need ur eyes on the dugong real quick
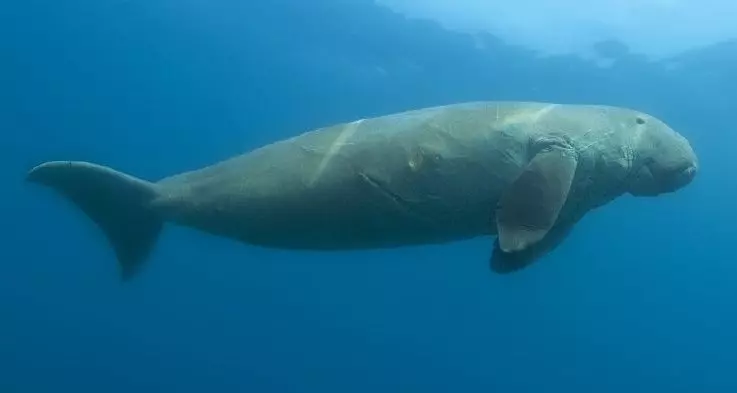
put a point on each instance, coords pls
(526, 172)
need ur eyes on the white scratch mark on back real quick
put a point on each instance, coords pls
(335, 147)
(526, 116)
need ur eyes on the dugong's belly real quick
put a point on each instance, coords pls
(374, 183)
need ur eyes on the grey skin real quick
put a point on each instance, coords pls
(524, 171)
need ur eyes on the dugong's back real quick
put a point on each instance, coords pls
(423, 176)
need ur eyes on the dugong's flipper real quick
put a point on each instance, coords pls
(116, 202)
(528, 210)
(503, 262)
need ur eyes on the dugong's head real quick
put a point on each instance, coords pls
(663, 159)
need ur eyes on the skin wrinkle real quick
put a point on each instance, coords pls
(396, 198)
(587, 190)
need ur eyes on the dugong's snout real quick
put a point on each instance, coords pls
(668, 165)
(653, 179)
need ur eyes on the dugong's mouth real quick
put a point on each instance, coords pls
(690, 172)
(649, 181)
(684, 177)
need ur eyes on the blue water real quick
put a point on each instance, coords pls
(640, 298)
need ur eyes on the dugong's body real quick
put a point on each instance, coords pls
(524, 171)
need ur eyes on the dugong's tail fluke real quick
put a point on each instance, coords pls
(116, 202)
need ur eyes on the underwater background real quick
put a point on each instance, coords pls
(642, 297)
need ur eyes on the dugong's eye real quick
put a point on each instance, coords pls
(639, 120)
